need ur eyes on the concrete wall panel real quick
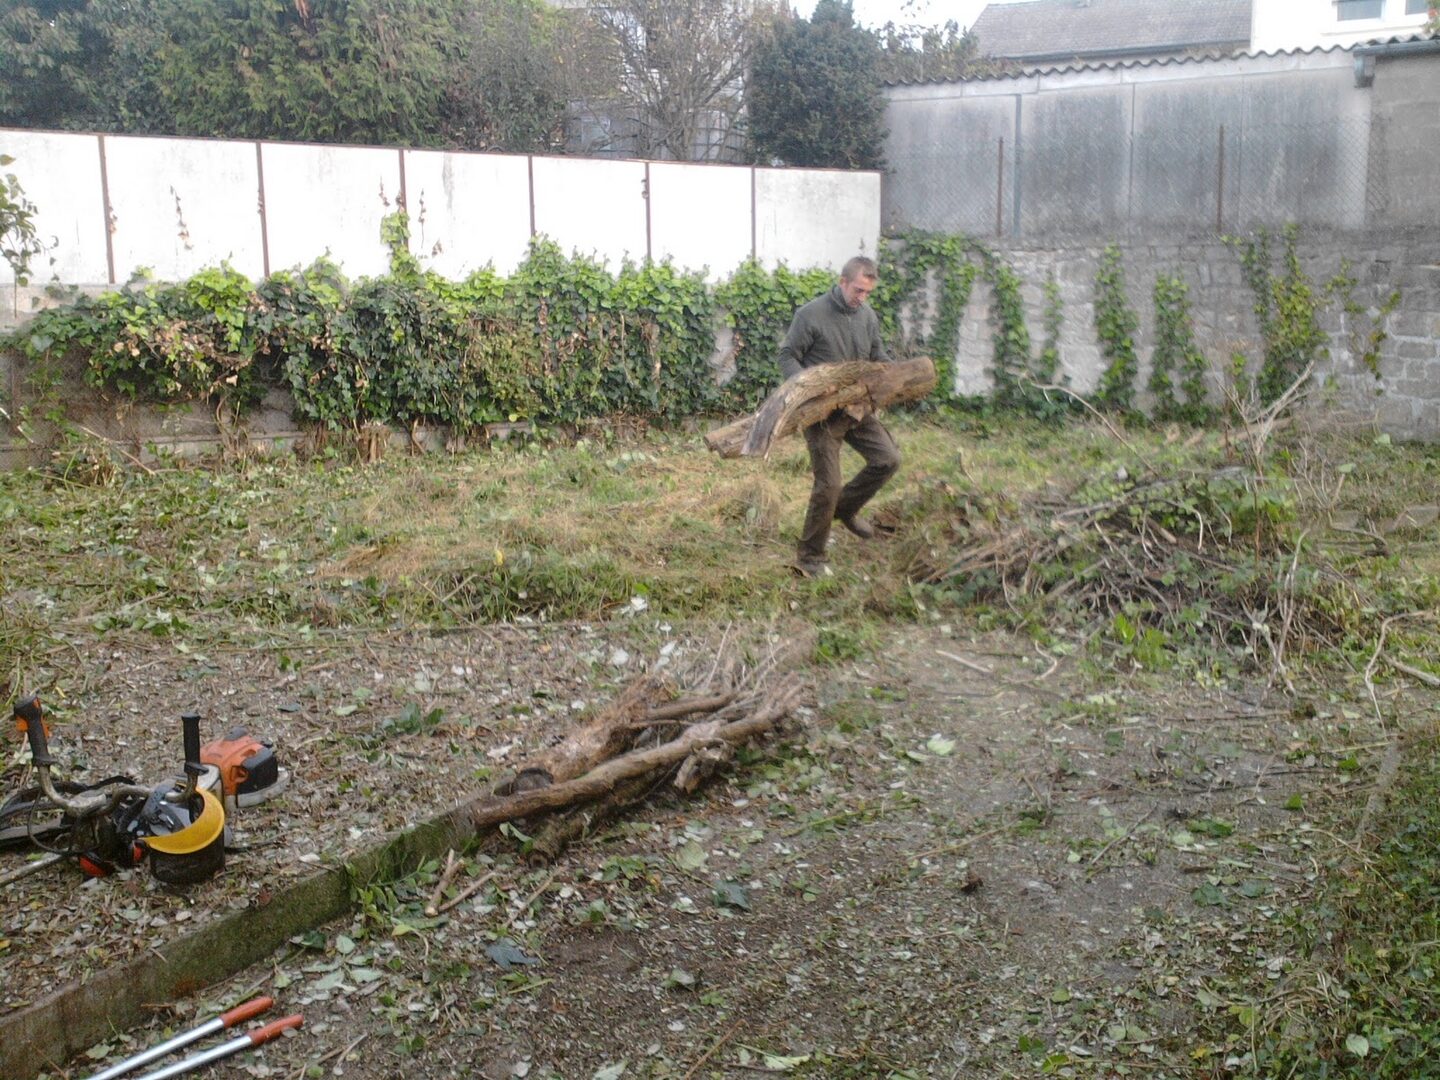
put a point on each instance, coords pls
(1405, 141)
(592, 207)
(467, 210)
(811, 218)
(1074, 159)
(1176, 157)
(329, 200)
(1305, 149)
(180, 205)
(958, 141)
(202, 209)
(60, 174)
(1109, 150)
(700, 216)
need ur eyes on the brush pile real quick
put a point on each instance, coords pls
(648, 740)
(1154, 560)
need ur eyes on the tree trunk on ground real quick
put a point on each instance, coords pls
(859, 386)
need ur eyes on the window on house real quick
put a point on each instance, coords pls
(1417, 7)
(1358, 9)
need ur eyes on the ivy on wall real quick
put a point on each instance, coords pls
(935, 273)
(1115, 325)
(1287, 306)
(560, 339)
(910, 266)
(758, 306)
(1177, 366)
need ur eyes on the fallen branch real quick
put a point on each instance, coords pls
(608, 776)
(713, 1048)
(1375, 659)
(1414, 672)
(28, 869)
(465, 893)
(686, 707)
(818, 391)
(452, 864)
(559, 832)
(525, 905)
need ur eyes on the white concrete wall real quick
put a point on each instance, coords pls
(179, 205)
(815, 217)
(61, 176)
(467, 210)
(204, 210)
(329, 200)
(592, 207)
(700, 216)
(1306, 24)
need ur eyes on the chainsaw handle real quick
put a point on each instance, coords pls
(190, 724)
(31, 720)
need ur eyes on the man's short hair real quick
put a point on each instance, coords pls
(859, 266)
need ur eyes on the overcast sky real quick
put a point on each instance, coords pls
(876, 13)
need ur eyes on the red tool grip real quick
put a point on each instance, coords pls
(247, 1011)
(274, 1028)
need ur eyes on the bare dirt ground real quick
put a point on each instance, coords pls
(969, 858)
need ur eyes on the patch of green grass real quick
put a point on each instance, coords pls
(585, 531)
(1365, 1000)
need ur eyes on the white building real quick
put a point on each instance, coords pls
(1306, 24)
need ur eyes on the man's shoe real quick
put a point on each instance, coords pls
(859, 526)
(811, 568)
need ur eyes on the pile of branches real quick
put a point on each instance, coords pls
(1213, 554)
(652, 738)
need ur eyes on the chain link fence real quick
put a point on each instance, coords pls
(1054, 181)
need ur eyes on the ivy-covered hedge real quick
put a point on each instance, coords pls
(758, 306)
(561, 339)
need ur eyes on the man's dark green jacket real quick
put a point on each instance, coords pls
(826, 330)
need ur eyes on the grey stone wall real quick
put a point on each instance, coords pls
(1404, 400)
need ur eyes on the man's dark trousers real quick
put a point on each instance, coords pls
(828, 500)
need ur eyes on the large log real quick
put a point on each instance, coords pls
(860, 386)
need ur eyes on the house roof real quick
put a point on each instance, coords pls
(1024, 71)
(1073, 29)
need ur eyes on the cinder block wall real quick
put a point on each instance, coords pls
(1404, 399)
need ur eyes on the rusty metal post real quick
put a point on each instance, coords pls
(649, 227)
(1220, 186)
(1000, 190)
(530, 172)
(108, 210)
(260, 205)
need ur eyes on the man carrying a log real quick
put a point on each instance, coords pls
(834, 327)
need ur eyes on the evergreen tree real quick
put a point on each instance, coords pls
(82, 65)
(353, 71)
(510, 87)
(814, 95)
